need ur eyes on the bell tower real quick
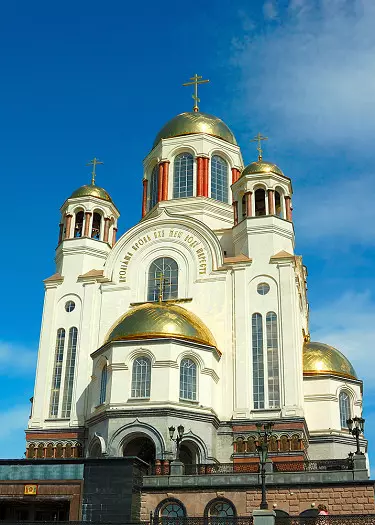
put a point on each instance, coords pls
(88, 228)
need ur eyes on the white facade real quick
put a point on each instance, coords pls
(220, 263)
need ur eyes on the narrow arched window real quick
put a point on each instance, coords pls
(59, 450)
(258, 361)
(68, 450)
(278, 205)
(188, 380)
(31, 451)
(96, 226)
(69, 372)
(243, 207)
(103, 385)
(163, 280)
(273, 361)
(251, 444)
(49, 451)
(154, 186)
(260, 202)
(40, 451)
(344, 402)
(141, 377)
(183, 176)
(57, 370)
(78, 226)
(219, 179)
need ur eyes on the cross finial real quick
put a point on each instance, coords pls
(258, 138)
(162, 283)
(195, 80)
(94, 162)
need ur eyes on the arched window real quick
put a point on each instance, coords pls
(154, 186)
(188, 380)
(278, 205)
(69, 372)
(240, 445)
(251, 444)
(243, 207)
(49, 450)
(220, 511)
(40, 451)
(219, 179)
(68, 450)
(258, 361)
(141, 377)
(103, 385)
(260, 202)
(344, 403)
(272, 361)
(183, 176)
(78, 227)
(96, 226)
(59, 450)
(284, 444)
(272, 447)
(163, 279)
(57, 369)
(295, 443)
(169, 511)
(31, 451)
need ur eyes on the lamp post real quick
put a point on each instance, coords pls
(177, 439)
(264, 433)
(356, 427)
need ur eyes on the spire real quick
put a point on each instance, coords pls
(93, 163)
(258, 138)
(195, 80)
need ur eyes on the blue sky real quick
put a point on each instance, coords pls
(94, 78)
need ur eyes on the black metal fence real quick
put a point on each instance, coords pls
(313, 465)
(349, 519)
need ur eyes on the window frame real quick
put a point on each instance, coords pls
(57, 374)
(185, 174)
(349, 407)
(103, 384)
(184, 383)
(69, 372)
(146, 380)
(172, 276)
(222, 162)
(154, 187)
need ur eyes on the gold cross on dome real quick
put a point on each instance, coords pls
(195, 80)
(258, 138)
(162, 283)
(94, 162)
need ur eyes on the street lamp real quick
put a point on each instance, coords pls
(178, 438)
(264, 433)
(356, 427)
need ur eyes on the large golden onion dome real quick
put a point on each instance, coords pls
(261, 166)
(320, 359)
(90, 190)
(192, 122)
(160, 320)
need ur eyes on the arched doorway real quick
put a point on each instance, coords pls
(188, 453)
(142, 447)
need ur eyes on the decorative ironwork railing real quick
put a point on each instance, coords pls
(313, 465)
(347, 519)
(222, 468)
(220, 520)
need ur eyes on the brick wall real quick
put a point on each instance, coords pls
(348, 499)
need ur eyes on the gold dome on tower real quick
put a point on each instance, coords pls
(322, 359)
(261, 166)
(90, 190)
(192, 122)
(160, 320)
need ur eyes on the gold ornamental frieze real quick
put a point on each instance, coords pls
(175, 234)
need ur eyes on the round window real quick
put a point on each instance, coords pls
(69, 306)
(263, 288)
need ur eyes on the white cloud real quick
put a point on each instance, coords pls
(348, 324)
(16, 359)
(338, 213)
(270, 10)
(312, 74)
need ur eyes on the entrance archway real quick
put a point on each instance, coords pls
(188, 453)
(142, 447)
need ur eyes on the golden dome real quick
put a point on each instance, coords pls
(160, 320)
(320, 359)
(261, 166)
(92, 191)
(195, 122)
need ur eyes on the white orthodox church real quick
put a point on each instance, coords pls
(196, 316)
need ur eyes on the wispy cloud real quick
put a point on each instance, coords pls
(312, 73)
(347, 323)
(16, 359)
(270, 10)
(336, 212)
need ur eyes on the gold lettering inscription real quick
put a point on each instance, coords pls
(172, 233)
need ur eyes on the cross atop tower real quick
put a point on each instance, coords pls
(94, 162)
(195, 80)
(258, 138)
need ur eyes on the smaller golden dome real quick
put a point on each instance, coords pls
(90, 190)
(261, 166)
(192, 122)
(160, 320)
(320, 359)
